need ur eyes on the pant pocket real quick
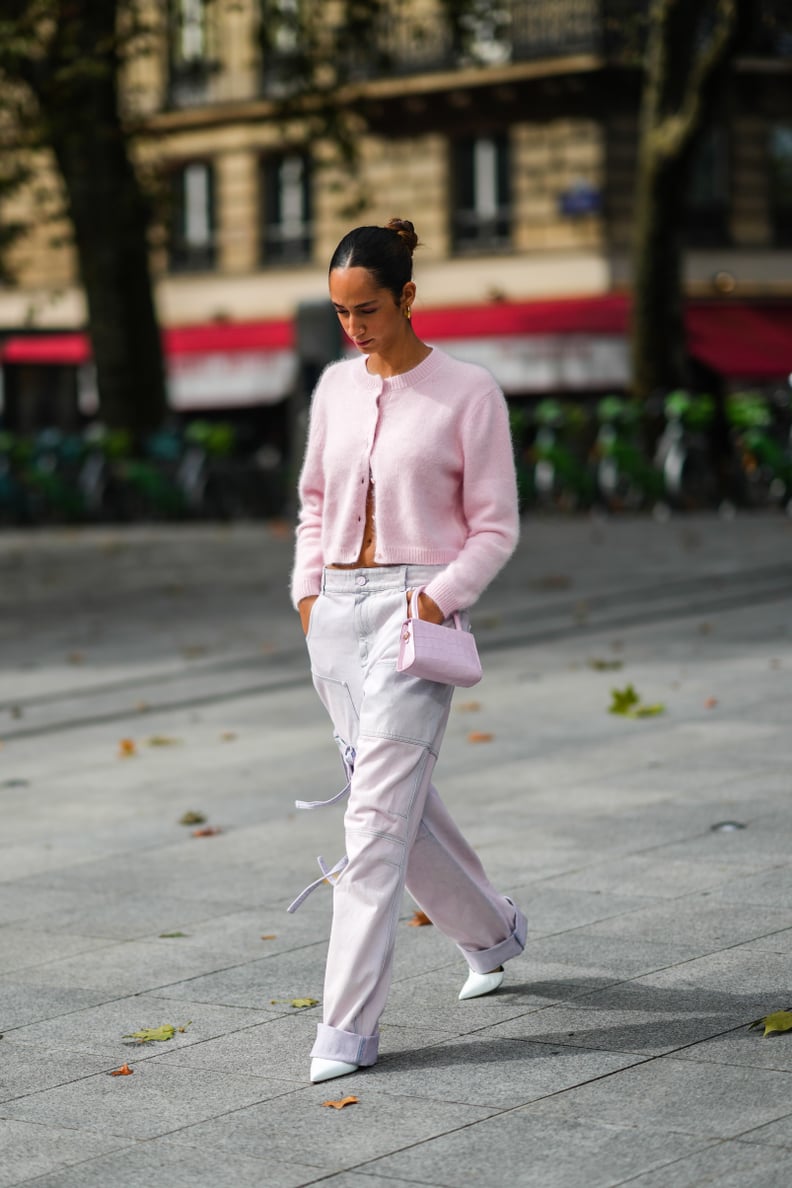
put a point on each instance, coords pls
(337, 699)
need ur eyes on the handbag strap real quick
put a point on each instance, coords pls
(412, 607)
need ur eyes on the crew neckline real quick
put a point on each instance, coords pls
(405, 379)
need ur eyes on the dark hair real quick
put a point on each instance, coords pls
(385, 252)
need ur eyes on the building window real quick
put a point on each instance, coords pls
(483, 32)
(709, 185)
(780, 183)
(191, 52)
(286, 216)
(284, 39)
(481, 194)
(192, 230)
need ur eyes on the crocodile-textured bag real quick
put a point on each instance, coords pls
(435, 652)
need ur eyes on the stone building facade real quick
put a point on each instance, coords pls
(514, 159)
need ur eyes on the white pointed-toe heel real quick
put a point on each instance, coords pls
(481, 983)
(326, 1070)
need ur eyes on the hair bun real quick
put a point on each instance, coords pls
(406, 232)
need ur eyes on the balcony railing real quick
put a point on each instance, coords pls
(511, 31)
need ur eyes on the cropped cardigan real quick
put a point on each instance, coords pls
(435, 443)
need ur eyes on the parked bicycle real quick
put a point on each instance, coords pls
(683, 456)
(626, 479)
(763, 448)
(562, 475)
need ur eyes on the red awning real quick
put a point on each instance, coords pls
(209, 339)
(738, 339)
(604, 314)
(46, 348)
(742, 340)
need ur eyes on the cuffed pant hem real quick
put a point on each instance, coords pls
(485, 960)
(333, 1044)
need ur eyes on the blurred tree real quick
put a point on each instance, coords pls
(59, 68)
(689, 45)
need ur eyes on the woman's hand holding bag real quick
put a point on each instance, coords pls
(434, 652)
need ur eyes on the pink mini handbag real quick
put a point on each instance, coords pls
(435, 652)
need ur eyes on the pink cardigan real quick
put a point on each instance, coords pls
(436, 442)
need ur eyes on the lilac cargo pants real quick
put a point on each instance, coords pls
(389, 727)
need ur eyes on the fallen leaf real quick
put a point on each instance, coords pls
(468, 707)
(127, 748)
(605, 665)
(774, 1024)
(704, 628)
(193, 651)
(301, 1003)
(75, 657)
(710, 703)
(270, 936)
(480, 736)
(339, 1105)
(627, 703)
(162, 740)
(123, 1071)
(207, 831)
(192, 818)
(172, 935)
(419, 920)
(227, 736)
(142, 707)
(148, 1035)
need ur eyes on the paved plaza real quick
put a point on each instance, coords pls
(151, 672)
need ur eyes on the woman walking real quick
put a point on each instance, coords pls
(407, 485)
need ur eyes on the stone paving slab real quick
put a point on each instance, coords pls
(522, 1148)
(617, 1050)
(673, 1096)
(156, 1099)
(101, 1029)
(179, 1165)
(31, 1150)
(729, 1165)
(614, 1028)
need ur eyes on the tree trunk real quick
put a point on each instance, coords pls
(689, 43)
(108, 210)
(659, 357)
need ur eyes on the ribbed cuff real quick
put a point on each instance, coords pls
(307, 588)
(442, 594)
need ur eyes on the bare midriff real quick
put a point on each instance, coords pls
(365, 558)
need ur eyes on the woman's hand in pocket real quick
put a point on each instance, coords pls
(305, 606)
(427, 608)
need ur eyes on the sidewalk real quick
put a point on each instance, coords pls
(617, 1051)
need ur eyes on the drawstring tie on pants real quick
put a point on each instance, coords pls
(348, 759)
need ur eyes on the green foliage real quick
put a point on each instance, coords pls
(695, 410)
(218, 438)
(748, 410)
